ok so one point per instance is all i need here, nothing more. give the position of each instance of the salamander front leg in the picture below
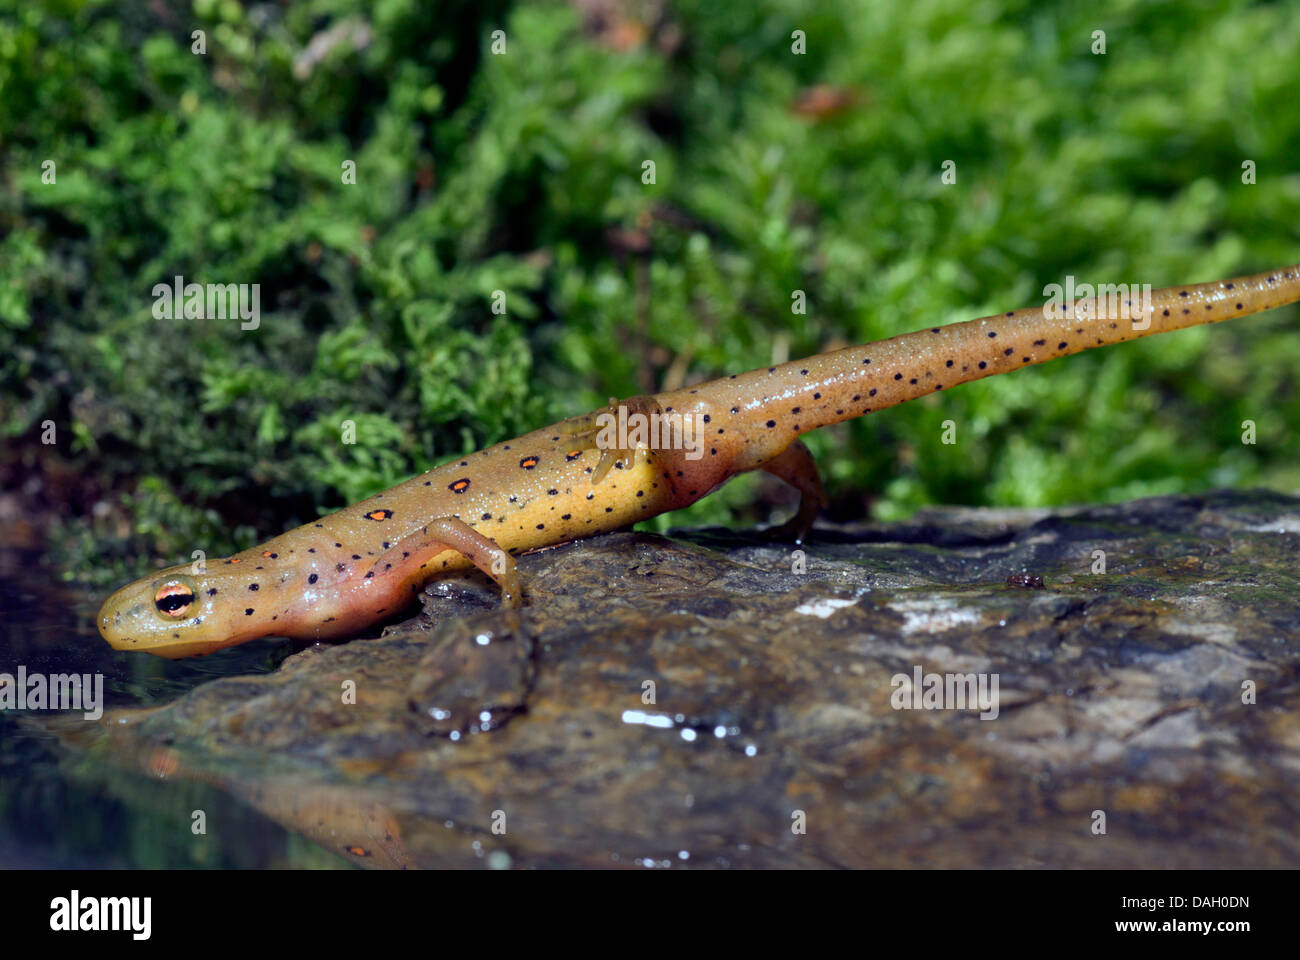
(795, 465)
(408, 555)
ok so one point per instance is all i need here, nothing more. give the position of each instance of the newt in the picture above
(607, 469)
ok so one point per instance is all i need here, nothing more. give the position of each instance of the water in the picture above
(66, 808)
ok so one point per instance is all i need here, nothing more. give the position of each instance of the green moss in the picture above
(478, 173)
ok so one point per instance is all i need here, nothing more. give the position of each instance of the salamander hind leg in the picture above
(408, 555)
(619, 431)
(795, 465)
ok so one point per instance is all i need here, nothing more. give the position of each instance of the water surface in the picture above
(66, 808)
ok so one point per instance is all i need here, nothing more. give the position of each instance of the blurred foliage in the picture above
(522, 172)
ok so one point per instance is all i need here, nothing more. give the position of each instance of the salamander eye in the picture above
(173, 599)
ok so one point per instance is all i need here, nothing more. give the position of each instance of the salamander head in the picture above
(175, 614)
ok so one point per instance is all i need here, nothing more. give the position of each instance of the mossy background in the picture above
(522, 172)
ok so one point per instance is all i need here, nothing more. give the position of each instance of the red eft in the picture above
(366, 562)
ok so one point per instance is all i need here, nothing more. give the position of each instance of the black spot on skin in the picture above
(912, 381)
(948, 364)
(1040, 343)
(552, 492)
(871, 392)
(1229, 286)
(1166, 313)
(341, 567)
(370, 575)
(771, 424)
(541, 526)
(1238, 305)
(212, 592)
(735, 409)
(796, 409)
(1061, 345)
(1182, 293)
(248, 612)
(898, 376)
(313, 578)
(983, 364)
(1007, 352)
(992, 334)
(252, 586)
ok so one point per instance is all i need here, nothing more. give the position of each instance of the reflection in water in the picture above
(343, 820)
(62, 807)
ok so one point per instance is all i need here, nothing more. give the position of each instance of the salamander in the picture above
(613, 467)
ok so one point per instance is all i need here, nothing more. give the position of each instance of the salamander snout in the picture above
(167, 615)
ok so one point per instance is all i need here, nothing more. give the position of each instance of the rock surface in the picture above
(700, 702)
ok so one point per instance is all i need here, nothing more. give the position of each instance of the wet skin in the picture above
(346, 571)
